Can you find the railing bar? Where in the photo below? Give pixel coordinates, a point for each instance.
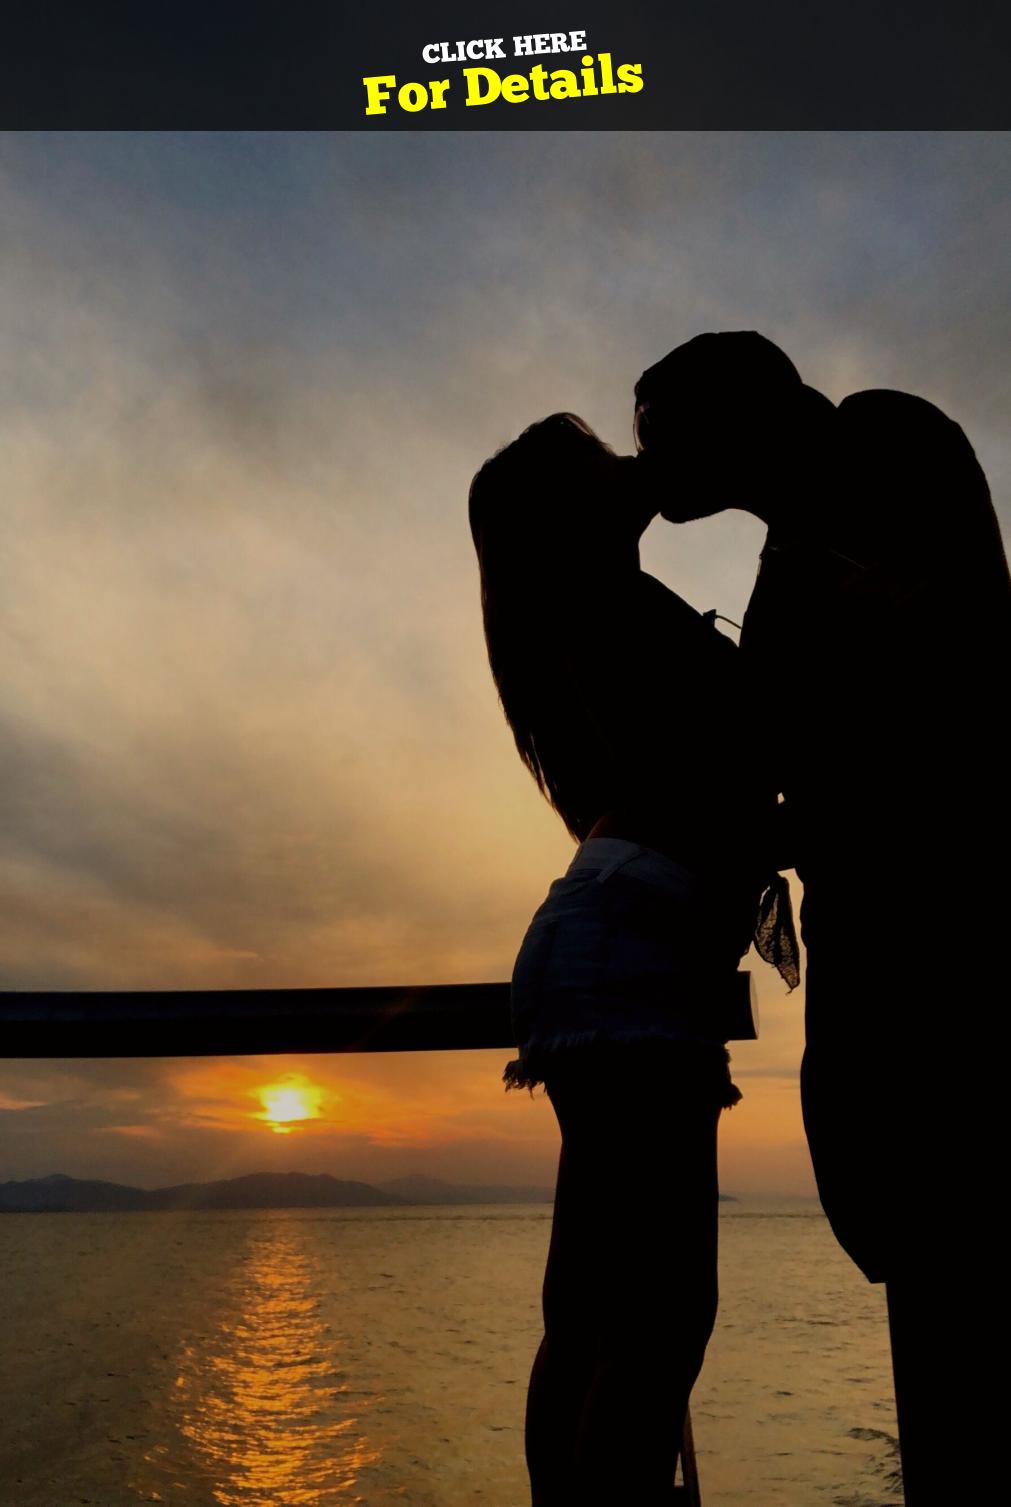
(240, 1022)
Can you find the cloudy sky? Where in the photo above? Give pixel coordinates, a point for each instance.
(247, 730)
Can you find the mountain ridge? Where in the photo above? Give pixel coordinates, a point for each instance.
(57, 1193)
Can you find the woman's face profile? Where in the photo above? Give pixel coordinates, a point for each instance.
(615, 503)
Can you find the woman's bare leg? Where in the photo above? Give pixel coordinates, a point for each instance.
(561, 1376)
(630, 1288)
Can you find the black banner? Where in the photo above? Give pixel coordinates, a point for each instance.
(556, 65)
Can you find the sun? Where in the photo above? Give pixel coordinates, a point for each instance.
(289, 1102)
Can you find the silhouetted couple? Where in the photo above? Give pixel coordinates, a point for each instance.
(866, 693)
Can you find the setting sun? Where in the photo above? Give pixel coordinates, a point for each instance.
(289, 1102)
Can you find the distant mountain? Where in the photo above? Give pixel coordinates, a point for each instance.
(418, 1189)
(271, 1190)
(59, 1194)
(262, 1190)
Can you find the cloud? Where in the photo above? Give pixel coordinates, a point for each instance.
(248, 736)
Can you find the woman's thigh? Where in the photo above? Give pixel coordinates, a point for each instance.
(633, 1245)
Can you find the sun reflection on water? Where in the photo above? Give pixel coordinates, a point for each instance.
(260, 1399)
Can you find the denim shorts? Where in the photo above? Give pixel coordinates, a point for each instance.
(629, 947)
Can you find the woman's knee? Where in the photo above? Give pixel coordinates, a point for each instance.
(657, 1314)
(644, 1316)
(646, 1307)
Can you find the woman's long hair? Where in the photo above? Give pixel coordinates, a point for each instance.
(539, 512)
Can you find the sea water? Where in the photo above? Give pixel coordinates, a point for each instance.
(381, 1356)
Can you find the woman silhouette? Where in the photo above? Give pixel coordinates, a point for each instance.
(628, 710)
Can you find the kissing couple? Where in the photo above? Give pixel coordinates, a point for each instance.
(855, 735)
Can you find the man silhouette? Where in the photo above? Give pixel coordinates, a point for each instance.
(877, 638)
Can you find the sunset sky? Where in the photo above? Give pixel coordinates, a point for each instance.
(248, 733)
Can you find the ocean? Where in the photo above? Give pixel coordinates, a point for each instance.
(380, 1356)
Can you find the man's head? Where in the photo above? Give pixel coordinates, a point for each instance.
(724, 421)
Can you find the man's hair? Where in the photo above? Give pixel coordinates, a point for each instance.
(735, 383)
(737, 376)
(727, 364)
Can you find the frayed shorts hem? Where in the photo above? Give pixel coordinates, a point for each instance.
(696, 1069)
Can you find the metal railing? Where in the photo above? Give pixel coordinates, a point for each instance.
(252, 1022)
